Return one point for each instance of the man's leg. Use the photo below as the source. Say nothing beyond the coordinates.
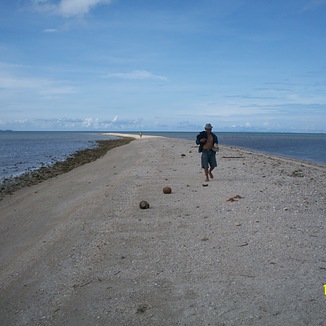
(206, 174)
(204, 164)
(212, 164)
(210, 172)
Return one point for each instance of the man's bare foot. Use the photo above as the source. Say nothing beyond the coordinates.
(206, 180)
(211, 175)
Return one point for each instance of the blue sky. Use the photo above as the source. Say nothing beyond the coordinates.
(130, 65)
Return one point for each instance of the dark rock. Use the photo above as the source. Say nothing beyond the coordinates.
(144, 204)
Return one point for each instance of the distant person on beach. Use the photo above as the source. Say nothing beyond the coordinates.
(208, 144)
(140, 134)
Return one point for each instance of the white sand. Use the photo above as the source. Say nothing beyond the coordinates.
(78, 250)
(136, 136)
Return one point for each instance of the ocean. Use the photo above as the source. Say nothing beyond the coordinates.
(22, 151)
(25, 151)
(304, 146)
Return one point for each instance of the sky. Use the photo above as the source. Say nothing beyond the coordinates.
(147, 65)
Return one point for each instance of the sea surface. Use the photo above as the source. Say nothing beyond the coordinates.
(22, 151)
(304, 146)
(25, 151)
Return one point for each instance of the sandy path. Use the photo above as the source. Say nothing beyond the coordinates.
(78, 250)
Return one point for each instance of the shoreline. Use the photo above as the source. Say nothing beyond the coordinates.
(78, 250)
(283, 158)
(282, 155)
(135, 136)
(9, 185)
(245, 150)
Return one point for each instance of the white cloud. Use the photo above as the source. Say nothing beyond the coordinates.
(137, 74)
(68, 8)
(50, 30)
(91, 122)
(79, 7)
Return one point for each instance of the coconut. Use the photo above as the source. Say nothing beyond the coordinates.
(144, 204)
(167, 190)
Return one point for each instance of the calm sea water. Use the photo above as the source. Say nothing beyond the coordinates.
(309, 147)
(24, 151)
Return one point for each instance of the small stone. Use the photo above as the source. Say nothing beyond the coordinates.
(144, 204)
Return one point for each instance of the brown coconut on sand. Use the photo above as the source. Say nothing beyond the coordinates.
(77, 249)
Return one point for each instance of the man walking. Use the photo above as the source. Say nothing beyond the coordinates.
(206, 141)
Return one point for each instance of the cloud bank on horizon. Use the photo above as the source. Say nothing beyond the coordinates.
(122, 65)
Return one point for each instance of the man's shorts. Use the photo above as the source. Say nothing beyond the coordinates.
(208, 157)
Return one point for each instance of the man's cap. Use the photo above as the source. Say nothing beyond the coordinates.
(208, 126)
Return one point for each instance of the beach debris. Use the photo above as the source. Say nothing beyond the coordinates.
(183, 155)
(144, 204)
(81, 285)
(204, 239)
(142, 308)
(205, 184)
(297, 173)
(235, 198)
(167, 190)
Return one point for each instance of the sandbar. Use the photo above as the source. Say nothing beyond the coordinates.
(247, 249)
